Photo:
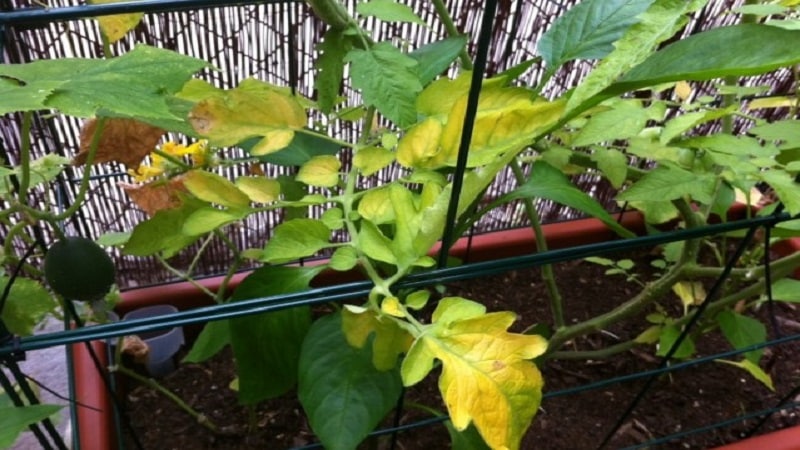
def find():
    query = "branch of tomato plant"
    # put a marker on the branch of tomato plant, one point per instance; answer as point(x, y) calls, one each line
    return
point(234, 267)
point(25, 157)
point(654, 291)
point(556, 304)
point(450, 27)
point(602, 353)
point(184, 276)
point(201, 419)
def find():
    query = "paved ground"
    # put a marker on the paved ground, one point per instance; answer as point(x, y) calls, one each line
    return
point(48, 366)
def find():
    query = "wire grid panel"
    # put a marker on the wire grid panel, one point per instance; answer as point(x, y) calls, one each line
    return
point(275, 43)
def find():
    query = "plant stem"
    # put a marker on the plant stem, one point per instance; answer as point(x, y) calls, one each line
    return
point(602, 353)
point(202, 419)
point(556, 304)
point(25, 157)
point(645, 297)
point(237, 261)
point(184, 276)
point(450, 27)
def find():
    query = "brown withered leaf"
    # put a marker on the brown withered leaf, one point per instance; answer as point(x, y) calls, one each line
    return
point(123, 140)
point(135, 348)
point(156, 196)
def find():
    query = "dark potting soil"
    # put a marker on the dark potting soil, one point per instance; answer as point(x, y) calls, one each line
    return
point(695, 397)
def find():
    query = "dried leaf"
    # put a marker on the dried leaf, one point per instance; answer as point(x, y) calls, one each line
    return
point(123, 140)
point(136, 348)
point(156, 196)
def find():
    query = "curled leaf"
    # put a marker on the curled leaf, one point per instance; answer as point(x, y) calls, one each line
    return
point(126, 141)
point(156, 196)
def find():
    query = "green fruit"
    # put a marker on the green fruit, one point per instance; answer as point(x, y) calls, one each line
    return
point(78, 269)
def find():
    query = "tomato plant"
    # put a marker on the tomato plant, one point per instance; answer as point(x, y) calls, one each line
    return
point(412, 105)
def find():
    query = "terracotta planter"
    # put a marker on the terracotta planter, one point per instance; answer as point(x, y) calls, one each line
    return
point(96, 427)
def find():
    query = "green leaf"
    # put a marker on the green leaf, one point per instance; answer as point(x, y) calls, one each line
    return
point(784, 131)
point(737, 50)
point(388, 11)
point(343, 259)
point(742, 331)
point(114, 238)
point(267, 346)
point(344, 395)
point(14, 420)
point(214, 188)
point(295, 239)
point(26, 305)
point(330, 68)
point(436, 57)
point(304, 146)
point(46, 168)
point(786, 187)
point(760, 10)
point(753, 369)
point(164, 231)
point(663, 19)
point(626, 119)
point(136, 84)
point(388, 81)
point(547, 182)
point(670, 183)
point(786, 290)
point(214, 337)
point(374, 244)
point(208, 219)
point(613, 163)
point(588, 30)
point(468, 439)
point(669, 335)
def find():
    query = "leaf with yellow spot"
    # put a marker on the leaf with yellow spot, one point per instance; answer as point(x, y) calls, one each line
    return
point(376, 207)
point(390, 341)
point(252, 109)
point(115, 26)
point(322, 171)
point(420, 146)
point(486, 376)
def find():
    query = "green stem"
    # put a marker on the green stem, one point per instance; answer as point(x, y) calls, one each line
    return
point(556, 303)
point(202, 419)
point(25, 157)
point(368, 118)
point(184, 276)
point(235, 264)
point(325, 137)
point(84, 186)
point(450, 27)
point(602, 353)
point(173, 159)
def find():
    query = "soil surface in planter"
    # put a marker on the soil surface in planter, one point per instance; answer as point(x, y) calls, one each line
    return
point(683, 400)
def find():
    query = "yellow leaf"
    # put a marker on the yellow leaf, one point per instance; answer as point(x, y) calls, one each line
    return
point(215, 189)
point(372, 159)
point(322, 171)
point(272, 142)
point(259, 189)
point(115, 26)
point(486, 376)
point(376, 207)
point(508, 119)
point(772, 102)
point(390, 340)
point(683, 90)
point(392, 306)
point(254, 108)
point(420, 145)
point(690, 292)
